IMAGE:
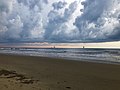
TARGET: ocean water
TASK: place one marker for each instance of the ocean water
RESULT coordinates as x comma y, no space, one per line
97,55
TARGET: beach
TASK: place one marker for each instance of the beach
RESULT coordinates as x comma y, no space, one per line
42,73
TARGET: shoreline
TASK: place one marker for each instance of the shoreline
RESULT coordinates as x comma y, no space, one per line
100,61
59,74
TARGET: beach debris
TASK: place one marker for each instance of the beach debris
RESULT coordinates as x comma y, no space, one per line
68,87
58,82
18,77
6,72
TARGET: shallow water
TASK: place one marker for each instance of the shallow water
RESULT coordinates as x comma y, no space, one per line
103,55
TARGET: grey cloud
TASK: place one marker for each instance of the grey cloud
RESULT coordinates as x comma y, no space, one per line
33,3
5,5
15,28
99,21
20,22
59,5
55,29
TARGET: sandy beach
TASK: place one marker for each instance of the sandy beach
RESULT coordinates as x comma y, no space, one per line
39,73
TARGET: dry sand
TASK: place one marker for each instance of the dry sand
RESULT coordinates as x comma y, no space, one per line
38,73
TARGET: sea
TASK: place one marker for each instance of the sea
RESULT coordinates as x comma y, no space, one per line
79,54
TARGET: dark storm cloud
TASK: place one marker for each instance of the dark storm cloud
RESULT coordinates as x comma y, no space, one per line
60,20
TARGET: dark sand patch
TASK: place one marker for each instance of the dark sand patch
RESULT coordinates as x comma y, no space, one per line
18,77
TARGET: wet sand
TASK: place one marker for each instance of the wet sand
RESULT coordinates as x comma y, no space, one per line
39,73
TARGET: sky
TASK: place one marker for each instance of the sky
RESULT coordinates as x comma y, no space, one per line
60,21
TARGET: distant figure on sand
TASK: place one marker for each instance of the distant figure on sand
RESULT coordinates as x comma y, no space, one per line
83,47
53,47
